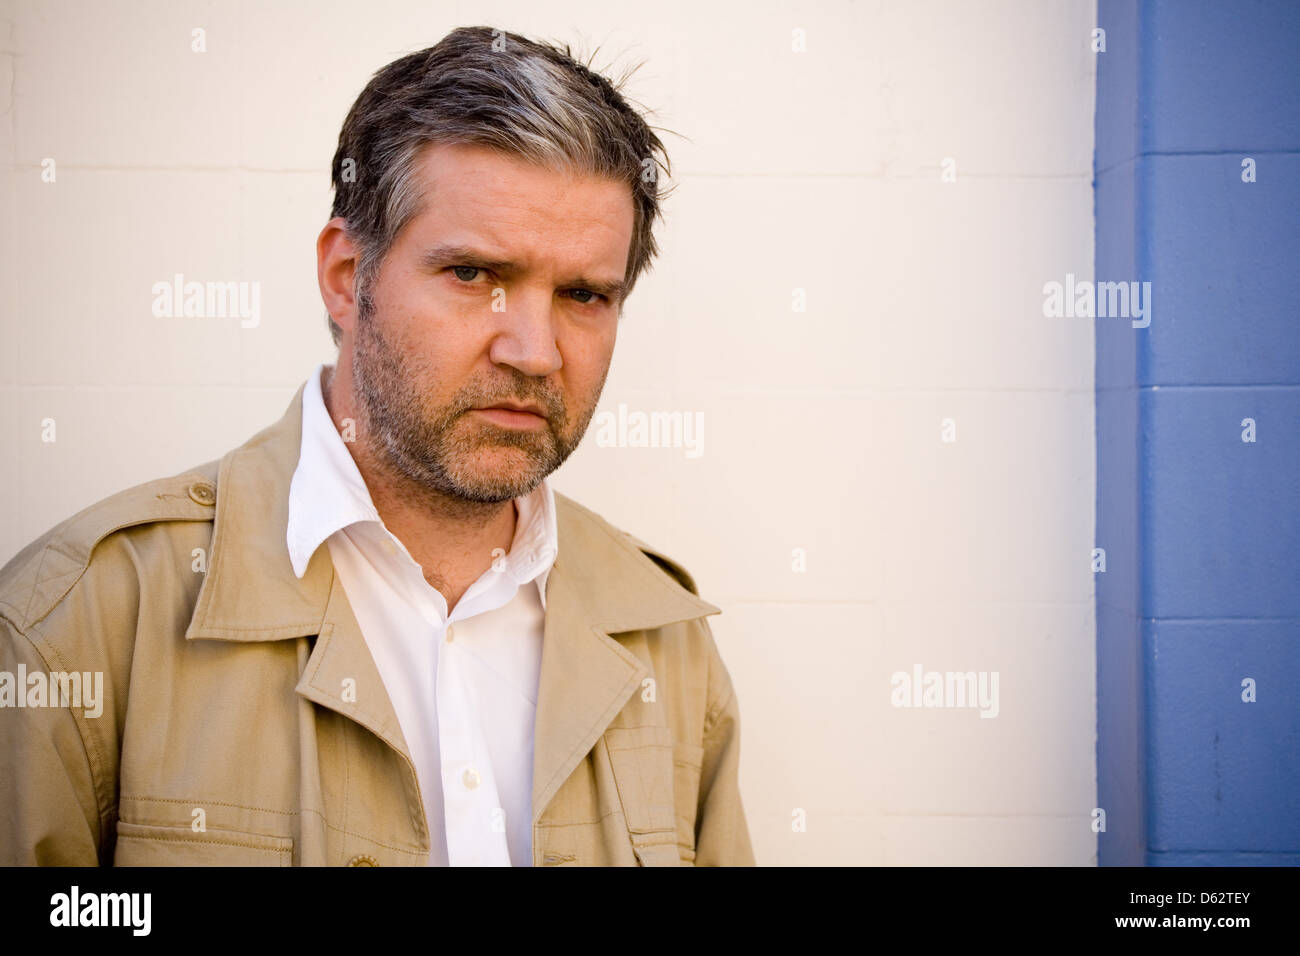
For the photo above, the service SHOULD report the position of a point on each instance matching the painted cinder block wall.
(1201, 529)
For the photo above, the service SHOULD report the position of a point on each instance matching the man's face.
(503, 290)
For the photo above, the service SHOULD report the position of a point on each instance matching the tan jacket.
(244, 722)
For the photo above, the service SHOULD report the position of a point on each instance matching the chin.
(500, 482)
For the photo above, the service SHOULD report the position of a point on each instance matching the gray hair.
(486, 87)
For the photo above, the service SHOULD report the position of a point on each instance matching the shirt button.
(451, 632)
(470, 778)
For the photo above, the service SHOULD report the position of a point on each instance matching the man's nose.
(525, 337)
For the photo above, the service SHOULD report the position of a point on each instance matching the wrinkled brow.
(445, 254)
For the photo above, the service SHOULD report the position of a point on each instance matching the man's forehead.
(496, 203)
(468, 171)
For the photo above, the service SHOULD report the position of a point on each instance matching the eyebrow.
(443, 255)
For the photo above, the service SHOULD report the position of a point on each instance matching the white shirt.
(464, 687)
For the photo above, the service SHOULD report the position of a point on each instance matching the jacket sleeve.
(49, 815)
(721, 833)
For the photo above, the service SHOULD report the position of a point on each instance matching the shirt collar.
(537, 538)
(327, 493)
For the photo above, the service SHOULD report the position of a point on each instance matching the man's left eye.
(466, 273)
(585, 296)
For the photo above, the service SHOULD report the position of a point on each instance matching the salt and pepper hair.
(486, 87)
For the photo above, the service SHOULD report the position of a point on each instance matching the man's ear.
(336, 263)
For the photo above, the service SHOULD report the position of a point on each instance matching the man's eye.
(466, 273)
(585, 296)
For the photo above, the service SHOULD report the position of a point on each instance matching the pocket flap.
(642, 761)
(141, 845)
(657, 854)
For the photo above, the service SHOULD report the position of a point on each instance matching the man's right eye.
(466, 273)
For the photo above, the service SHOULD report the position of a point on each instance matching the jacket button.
(363, 861)
(203, 493)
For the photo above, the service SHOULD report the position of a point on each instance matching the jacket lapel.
(341, 674)
(250, 592)
(601, 585)
(586, 678)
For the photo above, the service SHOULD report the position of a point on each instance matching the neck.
(451, 538)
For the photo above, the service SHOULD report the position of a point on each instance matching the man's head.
(494, 204)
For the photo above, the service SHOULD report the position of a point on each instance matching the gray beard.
(430, 454)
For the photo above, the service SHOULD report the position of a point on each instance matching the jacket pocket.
(658, 783)
(687, 761)
(141, 845)
(656, 854)
(642, 761)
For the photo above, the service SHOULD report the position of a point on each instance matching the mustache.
(482, 397)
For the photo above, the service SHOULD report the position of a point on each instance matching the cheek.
(590, 363)
(436, 330)
(425, 302)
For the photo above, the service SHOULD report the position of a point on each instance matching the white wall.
(818, 171)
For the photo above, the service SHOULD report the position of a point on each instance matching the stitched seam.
(643, 801)
(326, 631)
(91, 750)
(36, 580)
(582, 823)
(718, 708)
(338, 829)
(54, 546)
(387, 846)
(619, 784)
(357, 714)
(645, 566)
(82, 567)
(642, 838)
(248, 846)
(347, 788)
(210, 803)
(602, 721)
(298, 630)
(292, 813)
(213, 578)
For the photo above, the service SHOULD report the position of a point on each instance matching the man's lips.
(517, 407)
(514, 416)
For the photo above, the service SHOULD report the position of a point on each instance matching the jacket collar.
(601, 584)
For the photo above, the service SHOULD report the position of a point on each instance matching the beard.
(445, 450)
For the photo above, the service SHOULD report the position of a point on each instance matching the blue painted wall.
(1201, 530)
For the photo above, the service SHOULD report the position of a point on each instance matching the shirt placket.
(474, 837)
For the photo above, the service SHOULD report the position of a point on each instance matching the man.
(373, 635)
